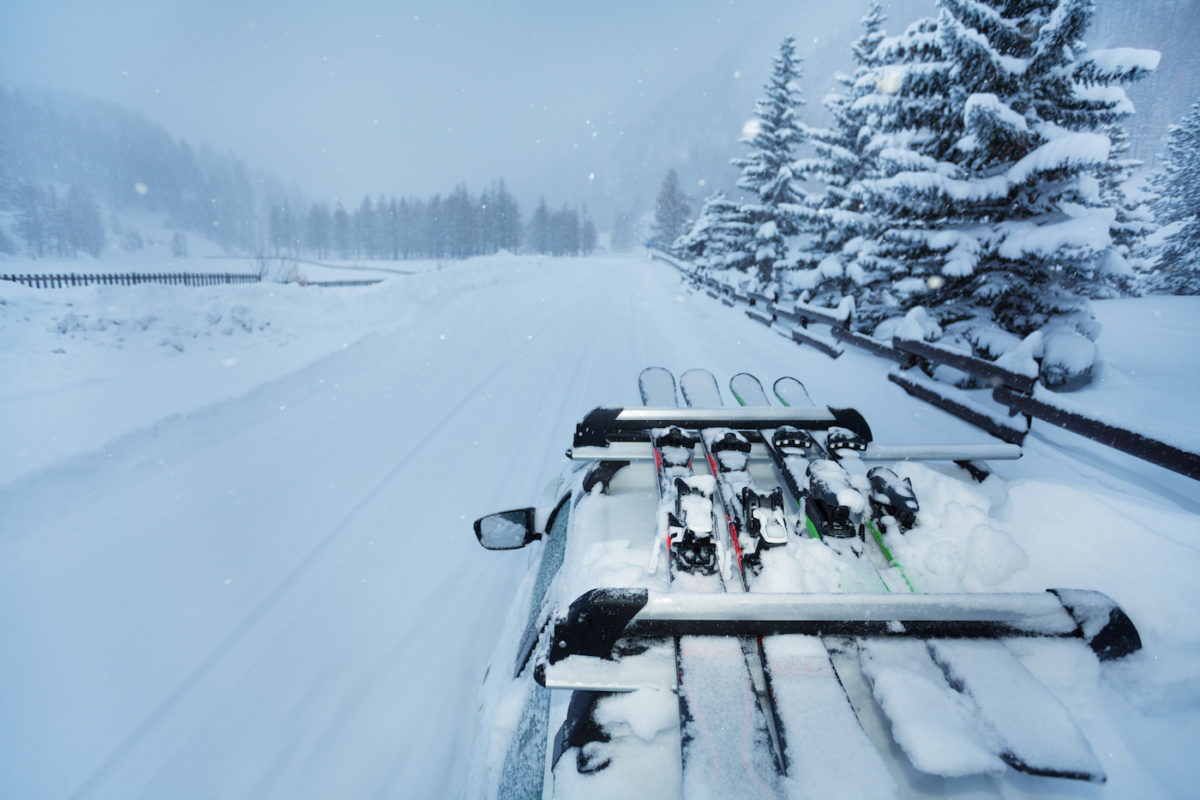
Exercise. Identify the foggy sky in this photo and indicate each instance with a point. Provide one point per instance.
(580, 101)
(359, 96)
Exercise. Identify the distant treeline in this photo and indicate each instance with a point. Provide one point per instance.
(459, 225)
(55, 225)
(54, 146)
(70, 167)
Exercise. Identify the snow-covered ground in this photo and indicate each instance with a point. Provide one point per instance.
(235, 546)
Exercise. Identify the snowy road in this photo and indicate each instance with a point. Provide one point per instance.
(278, 594)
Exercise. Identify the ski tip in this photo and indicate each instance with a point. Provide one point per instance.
(656, 385)
(1105, 626)
(791, 392)
(747, 390)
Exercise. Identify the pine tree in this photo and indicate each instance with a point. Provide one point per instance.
(827, 266)
(342, 234)
(84, 227)
(503, 219)
(672, 208)
(587, 235)
(773, 137)
(281, 229)
(721, 238)
(901, 105)
(569, 227)
(394, 233)
(317, 230)
(381, 236)
(461, 224)
(1178, 183)
(987, 181)
(435, 228)
(364, 228)
(539, 228)
(1132, 224)
(621, 238)
(31, 218)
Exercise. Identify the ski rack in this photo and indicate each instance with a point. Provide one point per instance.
(623, 434)
(618, 640)
(615, 424)
(596, 620)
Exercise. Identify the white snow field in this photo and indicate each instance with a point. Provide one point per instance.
(236, 556)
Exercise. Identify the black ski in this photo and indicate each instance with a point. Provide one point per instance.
(709, 668)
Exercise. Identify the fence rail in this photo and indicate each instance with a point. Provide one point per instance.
(60, 281)
(968, 364)
(172, 279)
(337, 284)
(1135, 444)
(1012, 392)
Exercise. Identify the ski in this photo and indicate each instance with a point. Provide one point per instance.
(713, 726)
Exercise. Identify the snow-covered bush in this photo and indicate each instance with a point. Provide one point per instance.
(1067, 359)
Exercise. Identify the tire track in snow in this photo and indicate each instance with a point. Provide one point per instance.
(321, 552)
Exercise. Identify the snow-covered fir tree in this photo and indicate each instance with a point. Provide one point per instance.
(834, 218)
(720, 239)
(774, 136)
(539, 228)
(988, 182)
(621, 238)
(672, 212)
(56, 226)
(587, 235)
(896, 114)
(317, 230)
(1178, 210)
(1123, 191)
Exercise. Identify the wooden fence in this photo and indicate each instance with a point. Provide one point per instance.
(336, 284)
(131, 279)
(172, 279)
(1012, 392)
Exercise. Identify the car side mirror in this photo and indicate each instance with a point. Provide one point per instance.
(507, 530)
